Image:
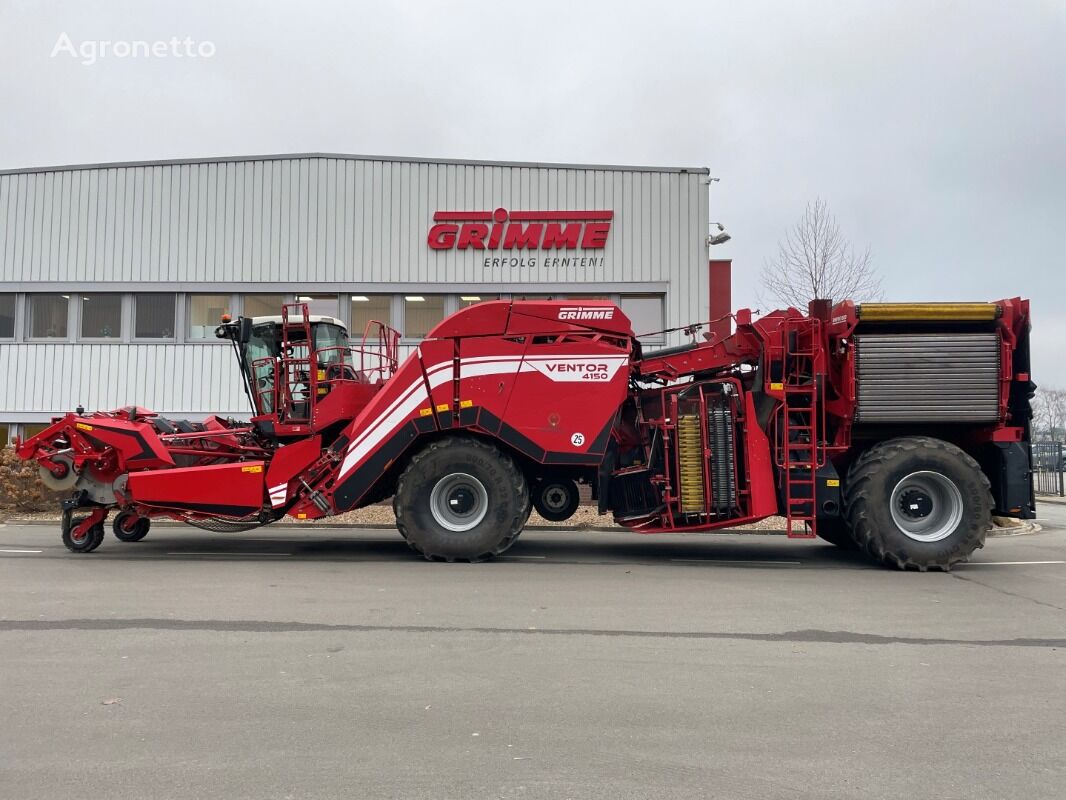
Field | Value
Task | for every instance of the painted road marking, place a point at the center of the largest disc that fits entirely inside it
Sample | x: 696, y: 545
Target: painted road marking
x: 506, y: 557
x: 1006, y: 563
x: 731, y: 561
x: 21, y: 551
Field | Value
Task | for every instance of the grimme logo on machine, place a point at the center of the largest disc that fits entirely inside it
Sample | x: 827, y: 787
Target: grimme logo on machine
x: 524, y: 230
x: 580, y: 312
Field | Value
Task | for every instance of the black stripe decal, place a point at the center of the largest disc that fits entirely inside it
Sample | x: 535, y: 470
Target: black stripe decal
x: 204, y: 508
x: 146, y: 451
x: 364, y: 477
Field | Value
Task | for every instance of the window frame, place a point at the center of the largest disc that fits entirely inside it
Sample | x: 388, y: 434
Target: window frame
x: 14, y: 317
x: 239, y: 308
x: 79, y: 316
x: 27, y: 318
x: 661, y: 338
x: 349, y: 319
x: 447, y: 306
x: 179, y: 312
x: 234, y: 299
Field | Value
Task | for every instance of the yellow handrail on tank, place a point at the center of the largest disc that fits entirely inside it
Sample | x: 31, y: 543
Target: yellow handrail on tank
x: 928, y: 312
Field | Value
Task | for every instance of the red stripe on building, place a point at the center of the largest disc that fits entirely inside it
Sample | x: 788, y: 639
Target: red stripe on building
x: 541, y: 216
x: 462, y: 216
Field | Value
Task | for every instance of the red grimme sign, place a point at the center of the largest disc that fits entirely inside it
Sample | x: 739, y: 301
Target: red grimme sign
x: 520, y: 230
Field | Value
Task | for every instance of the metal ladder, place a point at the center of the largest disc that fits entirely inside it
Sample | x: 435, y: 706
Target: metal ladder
x: 801, y: 453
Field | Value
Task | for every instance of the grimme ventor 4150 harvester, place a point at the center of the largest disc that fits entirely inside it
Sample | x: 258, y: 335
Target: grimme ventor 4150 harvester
x: 897, y: 428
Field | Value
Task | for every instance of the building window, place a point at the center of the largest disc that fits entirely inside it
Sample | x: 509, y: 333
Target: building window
x: 33, y: 428
x: 48, y: 315
x: 5, y: 432
x: 205, y: 314
x: 421, y: 313
x: 369, y: 307
x: 325, y: 304
x: 101, y: 316
x: 473, y: 299
x: 154, y: 316
x: 645, y: 311
x: 7, y: 316
x: 263, y: 305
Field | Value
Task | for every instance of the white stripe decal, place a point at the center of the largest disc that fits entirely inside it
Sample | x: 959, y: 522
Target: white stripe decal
x: 437, y: 374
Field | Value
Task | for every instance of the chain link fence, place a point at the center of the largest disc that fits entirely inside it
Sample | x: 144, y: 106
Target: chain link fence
x: 1048, y: 468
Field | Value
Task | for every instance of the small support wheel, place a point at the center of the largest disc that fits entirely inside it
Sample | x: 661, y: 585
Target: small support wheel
x: 129, y: 527
x: 84, y: 541
x: 556, y: 499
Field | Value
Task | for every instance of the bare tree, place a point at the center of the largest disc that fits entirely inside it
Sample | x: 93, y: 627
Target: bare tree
x: 1049, y: 413
x: 815, y: 260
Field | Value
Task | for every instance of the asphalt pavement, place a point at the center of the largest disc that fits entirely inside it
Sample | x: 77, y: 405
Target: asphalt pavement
x: 324, y: 662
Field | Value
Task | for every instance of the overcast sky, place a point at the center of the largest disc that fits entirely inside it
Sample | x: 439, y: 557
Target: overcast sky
x: 935, y: 131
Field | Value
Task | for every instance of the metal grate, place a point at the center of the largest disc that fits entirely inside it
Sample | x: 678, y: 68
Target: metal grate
x: 927, y: 377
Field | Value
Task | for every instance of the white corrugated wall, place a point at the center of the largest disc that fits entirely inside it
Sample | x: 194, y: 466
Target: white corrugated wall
x: 336, y: 223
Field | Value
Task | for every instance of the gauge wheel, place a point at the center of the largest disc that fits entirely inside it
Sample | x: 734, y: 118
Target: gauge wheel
x: 130, y: 527
x: 85, y: 542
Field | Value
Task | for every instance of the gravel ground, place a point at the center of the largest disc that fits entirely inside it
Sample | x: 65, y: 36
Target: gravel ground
x: 381, y: 516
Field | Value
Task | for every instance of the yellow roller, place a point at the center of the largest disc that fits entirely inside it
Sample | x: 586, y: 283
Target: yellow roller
x: 690, y: 459
x: 928, y: 312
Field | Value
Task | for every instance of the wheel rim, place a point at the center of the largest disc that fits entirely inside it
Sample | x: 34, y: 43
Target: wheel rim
x: 555, y: 497
x: 926, y: 506
x: 458, y: 502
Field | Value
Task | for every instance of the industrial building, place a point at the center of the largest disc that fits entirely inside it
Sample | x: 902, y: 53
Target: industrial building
x: 113, y: 276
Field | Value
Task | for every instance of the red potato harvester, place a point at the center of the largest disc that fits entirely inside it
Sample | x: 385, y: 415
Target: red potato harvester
x: 895, y: 427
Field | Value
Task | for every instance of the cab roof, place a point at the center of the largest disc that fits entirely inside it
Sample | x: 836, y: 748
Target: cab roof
x: 312, y: 318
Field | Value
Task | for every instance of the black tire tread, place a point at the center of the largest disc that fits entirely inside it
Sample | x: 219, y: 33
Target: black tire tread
x: 514, y: 477
x: 118, y: 528
x: 862, y: 476
x: 95, y: 536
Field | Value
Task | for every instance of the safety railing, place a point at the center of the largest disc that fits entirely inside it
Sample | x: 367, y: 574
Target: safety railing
x: 1048, y: 468
x: 377, y: 353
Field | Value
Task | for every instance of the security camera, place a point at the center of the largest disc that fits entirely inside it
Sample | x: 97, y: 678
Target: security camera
x: 718, y: 238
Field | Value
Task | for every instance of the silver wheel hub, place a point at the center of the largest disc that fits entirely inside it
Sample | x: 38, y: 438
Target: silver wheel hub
x: 926, y: 506
x: 555, y: 497
x: 458, y: 502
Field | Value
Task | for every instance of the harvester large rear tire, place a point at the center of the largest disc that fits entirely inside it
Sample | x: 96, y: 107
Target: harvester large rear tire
x: 918, y: 503
x: 461, y: 499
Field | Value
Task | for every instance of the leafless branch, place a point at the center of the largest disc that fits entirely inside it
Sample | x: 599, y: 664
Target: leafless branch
x: 815, y: 260
x: 1049, y: 413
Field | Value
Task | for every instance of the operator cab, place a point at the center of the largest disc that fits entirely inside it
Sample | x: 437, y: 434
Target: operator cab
x: 328, y: 353
x: 302, y: 373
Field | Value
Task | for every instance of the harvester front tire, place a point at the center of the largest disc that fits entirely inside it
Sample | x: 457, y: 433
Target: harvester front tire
x: 129, y: 527
x: 556, y: 500
x: 89, y: 542
x: 918, y: 503
x: 461, y: 499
